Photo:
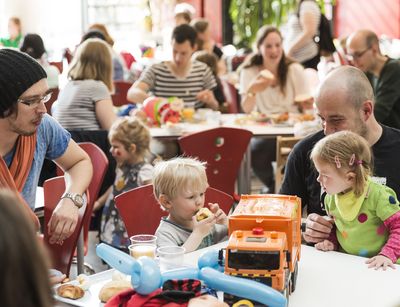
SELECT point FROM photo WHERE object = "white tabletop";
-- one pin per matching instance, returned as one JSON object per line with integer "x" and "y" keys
{"x": 333, "y": 279}
{"x": 227, "y": 120}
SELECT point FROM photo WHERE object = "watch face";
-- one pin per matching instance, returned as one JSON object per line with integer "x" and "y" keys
{"x": 78, "y": 199}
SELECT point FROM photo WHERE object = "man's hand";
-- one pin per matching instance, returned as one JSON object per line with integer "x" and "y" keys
{"x": 207, "y": 96}
{"x": 318, "y": 228}
{"x": 63, "y": 221}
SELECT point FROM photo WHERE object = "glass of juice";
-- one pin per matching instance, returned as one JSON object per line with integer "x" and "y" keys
{"x": 143, "y": 245}
{"x": 188, "y": 111}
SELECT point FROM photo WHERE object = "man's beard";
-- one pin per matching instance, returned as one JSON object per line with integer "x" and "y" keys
{"x": 361, "y": 128}
{"x": 20, "y": 131}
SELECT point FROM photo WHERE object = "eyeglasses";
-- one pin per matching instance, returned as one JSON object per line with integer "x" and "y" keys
{"x": 356, "y": 55}
{"x": 35, "y": 100}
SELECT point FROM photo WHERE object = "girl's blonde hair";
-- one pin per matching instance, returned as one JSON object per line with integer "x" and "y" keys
{"x": 131, "y": 130}
{"x": 347, "y": 151}
{"x": 179, "y": 174}
{"x": 93, "y": 61}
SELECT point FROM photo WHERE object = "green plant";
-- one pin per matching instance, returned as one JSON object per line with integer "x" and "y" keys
{"x": 249, "y": 15}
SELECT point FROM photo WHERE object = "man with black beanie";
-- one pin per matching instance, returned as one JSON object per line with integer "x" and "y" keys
{"x": 28, "y": 135}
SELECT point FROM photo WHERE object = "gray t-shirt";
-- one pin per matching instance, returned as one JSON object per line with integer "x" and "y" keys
{"x": 52, "y": 141}
{"x": 169, "y": 233}
{"x": 76, "y": 104}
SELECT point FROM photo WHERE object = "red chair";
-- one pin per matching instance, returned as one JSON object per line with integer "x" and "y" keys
{"x": 61, "y": 255}
{"x": 59, "y": 66}
{"x": 139, "y": 210}
{"x": 128, "y": 58}
{"x": 223, "y": 149}
{"x": 231, "y": 96}
{"x": 142, "y": 213}
{"x": 121, "y": 91}
{"x": 54, "y": 97}
{"x": 100, "y": 165}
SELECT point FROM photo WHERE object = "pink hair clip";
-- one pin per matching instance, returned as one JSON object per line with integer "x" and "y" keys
{"x": 359, "y": 162}
{"x": 337, "y": 161}
{"x": 352, "y": 159}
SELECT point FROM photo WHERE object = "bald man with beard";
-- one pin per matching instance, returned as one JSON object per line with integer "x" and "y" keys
{"x": 344, "y": 101}
{"x": 382, "y": 72}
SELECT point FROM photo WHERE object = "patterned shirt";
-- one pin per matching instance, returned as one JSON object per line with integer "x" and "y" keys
{"x": 162, "y": 83}
{"x": 359, "y": 222}
{"x": 128, "y": 177}
{"x": 76, "y": 106}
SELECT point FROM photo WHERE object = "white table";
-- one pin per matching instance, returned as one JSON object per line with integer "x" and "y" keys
{"x": 332, "y": 279}
{"x": 228, "y": 120}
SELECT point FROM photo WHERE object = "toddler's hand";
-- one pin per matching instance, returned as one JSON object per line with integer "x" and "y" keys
{"x": 203, "y": 227}
{"x": 220, "y": 215}
{"x": 325, "y": 246}
{"x": 380, "y": 261}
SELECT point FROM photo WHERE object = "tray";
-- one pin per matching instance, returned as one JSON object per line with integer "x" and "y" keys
{"x": 91, "y": 297}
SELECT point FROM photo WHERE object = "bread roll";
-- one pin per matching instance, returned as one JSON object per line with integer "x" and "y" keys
{"x": 203, "y": 213}
{"x": 112, "y": 288}
{"x": 70, "y": 291}
{"x": 265, "y": 73}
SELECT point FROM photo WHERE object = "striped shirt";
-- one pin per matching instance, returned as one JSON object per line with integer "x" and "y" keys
{"x": 76, "y": 104}
{"x": 163, "y": 83}
{"x": 310, "y": 49}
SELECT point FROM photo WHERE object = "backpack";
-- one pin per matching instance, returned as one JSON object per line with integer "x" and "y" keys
{"x": 324, "y": 38}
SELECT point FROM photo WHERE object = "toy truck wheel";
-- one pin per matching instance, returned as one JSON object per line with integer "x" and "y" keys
{"x": 294, "y": 277}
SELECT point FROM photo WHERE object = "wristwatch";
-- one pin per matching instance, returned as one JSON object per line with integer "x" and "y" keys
{"x": 75, "y": 197}
{"x": 250, "y": 94}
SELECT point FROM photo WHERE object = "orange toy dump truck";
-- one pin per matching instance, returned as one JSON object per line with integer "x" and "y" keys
{"x": 265, "y": 240}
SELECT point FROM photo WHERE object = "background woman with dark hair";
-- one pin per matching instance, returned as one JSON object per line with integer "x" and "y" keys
{"x": 24, "y": 272}
{"x": 269, "y": 83}
{"x": 34, "y": 46}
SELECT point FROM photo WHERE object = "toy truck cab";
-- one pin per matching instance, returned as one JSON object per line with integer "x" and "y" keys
{"x": 265, "y": 240}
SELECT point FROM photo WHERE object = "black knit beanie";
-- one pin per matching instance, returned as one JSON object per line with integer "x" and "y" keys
{"x": 18, "y": 72}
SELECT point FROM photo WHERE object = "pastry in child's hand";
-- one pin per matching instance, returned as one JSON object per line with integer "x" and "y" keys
{"x": 112, "y": 288}
{"x": 70, "y": 291}
{"x": 203, "y": 213}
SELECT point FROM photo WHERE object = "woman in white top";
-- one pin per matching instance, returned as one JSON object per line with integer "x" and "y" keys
{"x": 302, "y": 28}
{"x": 269, "y": 83}
{"x": 85, "y": 102}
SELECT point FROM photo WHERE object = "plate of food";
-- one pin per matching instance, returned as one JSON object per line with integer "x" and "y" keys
{"x": 92, "y": 290}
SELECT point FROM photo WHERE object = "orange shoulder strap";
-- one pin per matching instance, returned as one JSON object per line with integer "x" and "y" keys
{"x": 14, "y": 178}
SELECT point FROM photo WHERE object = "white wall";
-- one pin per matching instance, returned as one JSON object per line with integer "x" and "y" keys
{"x": 57, "y": 21}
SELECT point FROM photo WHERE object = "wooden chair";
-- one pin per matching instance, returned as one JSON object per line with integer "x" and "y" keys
{"x": 231, "y": 96}
{"x": 61, "y": 255}
{"x": 141, "y": 212}
{"x": 223, "y": 149}
{"x": 121, "y": 91}
{"x": 283, "y": 147}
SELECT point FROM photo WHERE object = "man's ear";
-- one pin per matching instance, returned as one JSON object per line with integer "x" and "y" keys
{"x": 367, "y": 109}
{"x": 164, "y": 201}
